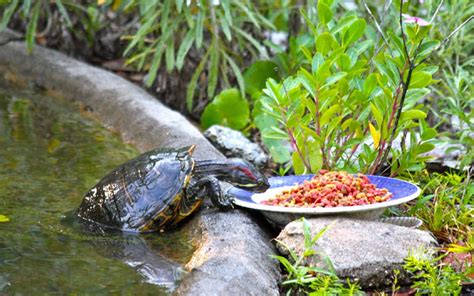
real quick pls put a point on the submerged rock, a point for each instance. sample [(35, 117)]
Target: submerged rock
[(234, 144), (366, 251)]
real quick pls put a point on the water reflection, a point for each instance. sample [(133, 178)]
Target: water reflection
[(50, 156)]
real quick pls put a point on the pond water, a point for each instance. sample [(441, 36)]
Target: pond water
[(50, 155)]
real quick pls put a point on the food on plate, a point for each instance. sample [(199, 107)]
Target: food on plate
[(331, 189)]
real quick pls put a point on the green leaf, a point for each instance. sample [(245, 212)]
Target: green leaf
[(165, 15), (193, 83), (140, 34), (63, 12), (412, 114), (256, 75), (179, 5), (249, 13), (279, 150), (155, 64), (275, 133), (237, 73), (26, 6), (227, 109), (377, 114), (428, 134), (324, 43), (423, 148), (315, 156), (316, 62), (324, 12), (298, 165), (31, 28), (184, 48), (7, 14), (227, 13), (344, 62), (328, 114), (261, 49), (4, 218), (385, 71), (343, 23), (420, 79), (354, 32), (213, 70), (170, 55), (199, 28), (309, 22), (306, 233), (225, 26), (334, 78)]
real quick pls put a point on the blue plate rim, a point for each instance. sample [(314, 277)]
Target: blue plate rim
[(335, 210)]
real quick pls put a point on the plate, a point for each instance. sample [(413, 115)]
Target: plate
[(402, 191)]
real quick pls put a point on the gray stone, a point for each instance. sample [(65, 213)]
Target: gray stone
[(233, 253), (367, 251), (234, 259), (233, 143)]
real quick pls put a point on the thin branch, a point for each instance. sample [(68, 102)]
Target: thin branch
[(379, 29), (405, 85), (404, 37), (445, 40), (436, 11)]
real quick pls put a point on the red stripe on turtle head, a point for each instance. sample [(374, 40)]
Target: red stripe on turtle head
[(247, 172)]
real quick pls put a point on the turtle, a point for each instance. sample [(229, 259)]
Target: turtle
[(159, 188)]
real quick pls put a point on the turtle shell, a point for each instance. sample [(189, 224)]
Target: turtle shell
[(143, 194)]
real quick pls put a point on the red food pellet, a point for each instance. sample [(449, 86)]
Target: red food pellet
[(331, 189)]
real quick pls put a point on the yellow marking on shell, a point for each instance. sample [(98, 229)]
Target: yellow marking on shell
[(187, 178), (129, 196), (183, 215), (166, 218)]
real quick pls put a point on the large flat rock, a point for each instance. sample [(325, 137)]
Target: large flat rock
[(362, 250), (233, 253)]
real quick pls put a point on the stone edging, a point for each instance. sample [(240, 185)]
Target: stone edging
[(233, 253)]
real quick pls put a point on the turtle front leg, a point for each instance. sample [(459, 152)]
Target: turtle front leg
[(209, 186)]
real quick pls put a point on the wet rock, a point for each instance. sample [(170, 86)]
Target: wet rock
[(234, 258), (234, 144), (367, 251)]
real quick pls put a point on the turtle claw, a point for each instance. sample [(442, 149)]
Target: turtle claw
[(222, 201)]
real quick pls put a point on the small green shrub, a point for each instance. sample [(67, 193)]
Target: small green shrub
[(432, 278), (353, 91), (445, 207)]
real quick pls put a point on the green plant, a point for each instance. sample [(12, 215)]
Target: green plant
[(432, 278), (445, 206), (313, 280), (42, 15), (354, 92), (228, 108), (284, 63), (220, 34), (453, 102)]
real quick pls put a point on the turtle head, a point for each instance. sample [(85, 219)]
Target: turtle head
[(245, 175)]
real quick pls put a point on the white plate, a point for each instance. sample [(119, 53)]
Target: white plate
[(402, 191)]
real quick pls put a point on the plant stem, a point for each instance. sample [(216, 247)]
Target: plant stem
[(405, 85)]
